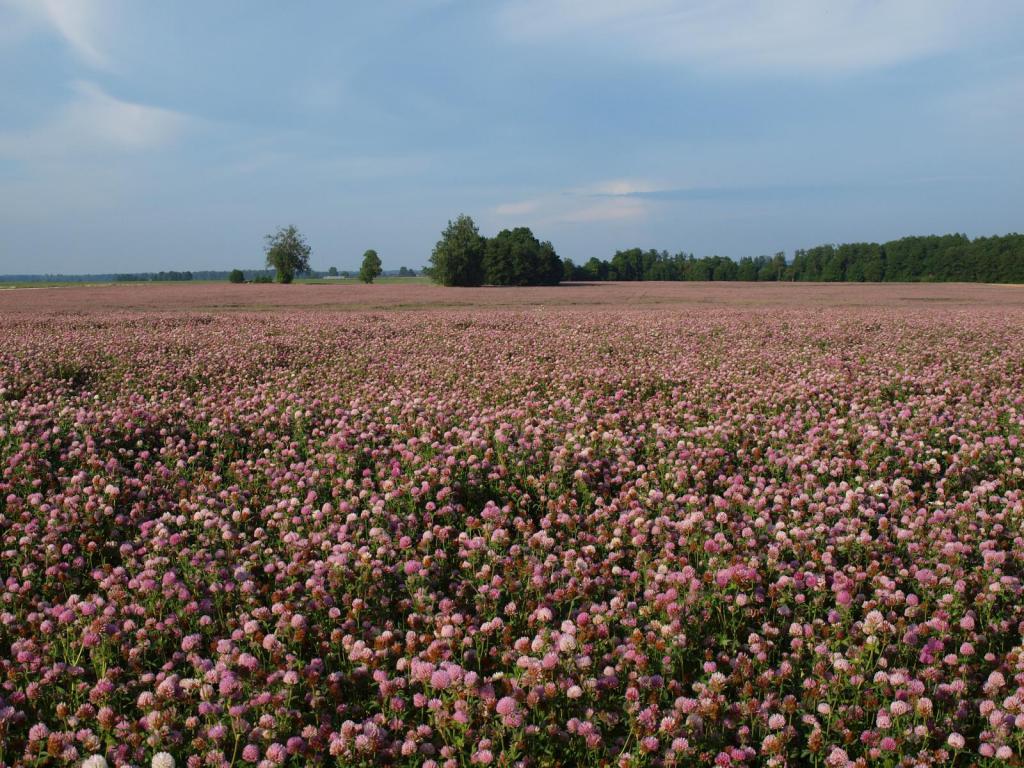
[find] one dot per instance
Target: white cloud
(763, 36)
(94, 121)
(82, 24)
(603, 201)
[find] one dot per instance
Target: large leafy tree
(371, 266)
(510, 257)
(458, 257)
(287, 253)
(517, 257)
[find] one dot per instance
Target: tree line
(516, 257)
(929, 258)
(159, 277)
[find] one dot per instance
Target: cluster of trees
(944, 258)
(637, 264)
(402, 271)
(142, 277)
(940, 258)
(464, 257)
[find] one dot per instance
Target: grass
(48, 284)
(389, 280)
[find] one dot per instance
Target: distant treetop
(939, 258)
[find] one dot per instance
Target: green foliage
(263, 279)
(287, 253)
(371, 266)
(406, 272)
(517, 257)
(332, 272)
(157, 277)
(172, 276)
(236, 276)
(932, 258)
(747, 270)
(458, 257)
(550, 265)
(594, 269)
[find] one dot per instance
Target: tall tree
(371, 266)
(458, 257)
(287, 253)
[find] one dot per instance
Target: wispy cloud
(94, 121)
(603, 201)
(81, 23)
(618, 200)
(763, 36)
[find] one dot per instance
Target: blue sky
(173, 135)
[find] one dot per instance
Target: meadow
(618, 524)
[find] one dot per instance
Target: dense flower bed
(679, 538)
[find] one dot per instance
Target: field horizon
(421, 295)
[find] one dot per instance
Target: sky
(175, 134)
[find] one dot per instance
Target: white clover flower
(95, 761)
(162, 760)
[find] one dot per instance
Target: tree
(236, 276)
(504, 256)
(595, 269)
(371, 266)
(332, 272)
(406, 272)
(550, 269)
(287, 253)
(458, 257)
(833, 268)
(517, 257)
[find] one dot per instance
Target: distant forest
(931, 258)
